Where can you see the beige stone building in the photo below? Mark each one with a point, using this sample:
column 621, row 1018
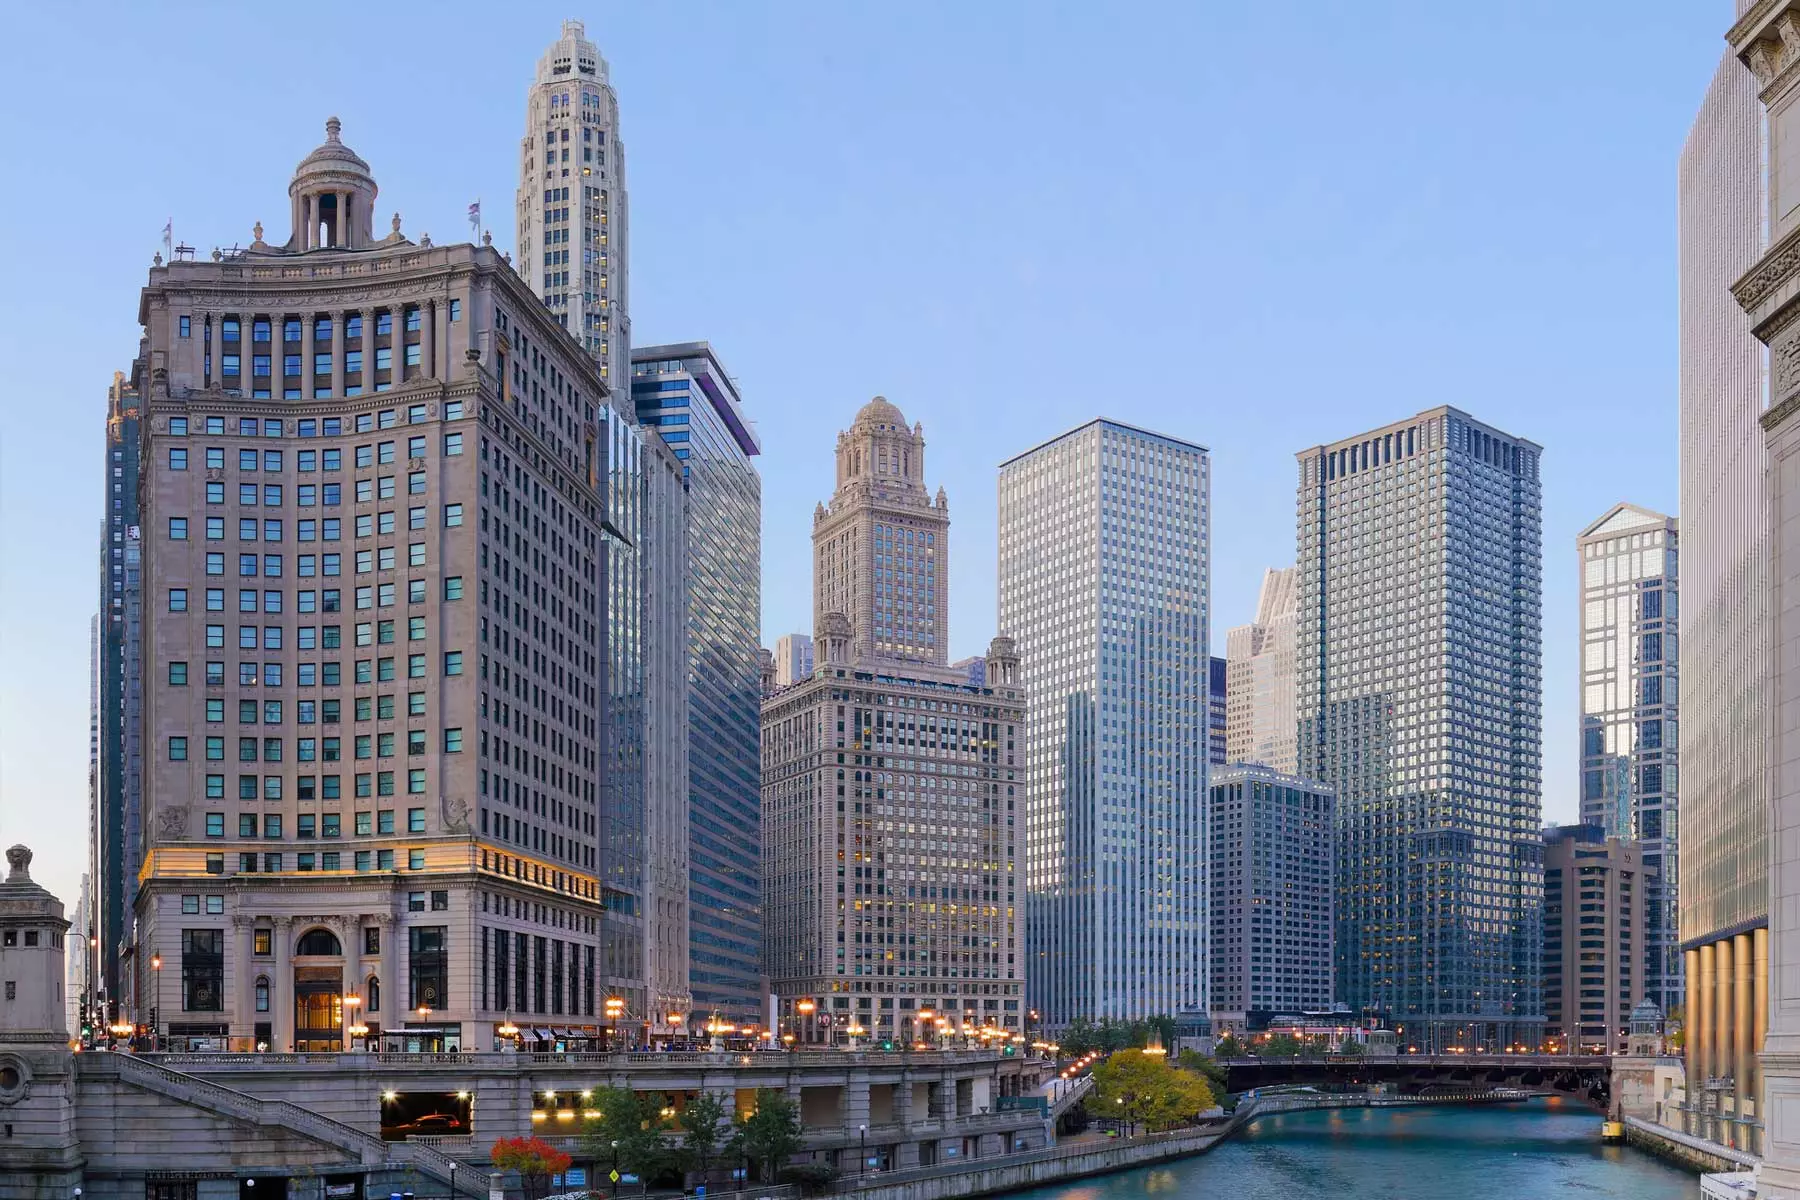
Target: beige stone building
column 1595, row 889
column 373, row 683
column 1260, row 724
column 892, row 879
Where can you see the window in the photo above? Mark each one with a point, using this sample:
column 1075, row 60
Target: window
column 415, row 901
column 271, row 825
column 384, row 821
column 178, row 672
column 453, row 741
column 178, row 458
column 453, row 587
column 203, row 970
column 178, row 527
column 247, row 821
column 187, row 326
column 415, row 820
column 415, row 860
column 330, row 824
column 453, row 444
column 178, row 749
column 428, row 965
column 262, row 993
column 215, row 824
column 262, row 943
column 453, row 662
column 177, row 599
column 453, row 516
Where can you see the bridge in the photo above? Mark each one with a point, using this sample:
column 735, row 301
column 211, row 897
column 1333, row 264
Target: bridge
column 1587, row 1077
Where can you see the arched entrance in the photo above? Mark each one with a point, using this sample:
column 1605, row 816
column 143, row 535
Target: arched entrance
column 318, row 992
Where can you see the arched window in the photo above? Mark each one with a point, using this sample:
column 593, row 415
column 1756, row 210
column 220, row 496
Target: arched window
column 373, row 995
column 262, row 993
column 318, row 942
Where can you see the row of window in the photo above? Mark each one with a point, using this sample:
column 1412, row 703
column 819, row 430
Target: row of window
column 231, row 328
column 387, row 418
column 329, row 825
column 309, row 530
column 380, row 745
column 329, row 600
column 329, row 674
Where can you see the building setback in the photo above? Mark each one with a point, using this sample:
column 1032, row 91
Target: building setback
column 1419, row 642
column 1594, row 933
column 890, row 784
column 374, row 682
column 1259, row 680
column 1630, row 704
column 1104, row 584
column 1272, row 897
column 686, row 395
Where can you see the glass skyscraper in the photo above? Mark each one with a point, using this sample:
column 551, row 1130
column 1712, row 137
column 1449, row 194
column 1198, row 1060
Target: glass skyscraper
column 1630, row 696
column 1419, row 648
column 1105, row 586
column 684, row 393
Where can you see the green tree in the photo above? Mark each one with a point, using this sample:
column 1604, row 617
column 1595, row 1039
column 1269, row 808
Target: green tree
column 1281, row 1045
column 1145, row 1088
column 1228, row 1047
column 1350, row 1047
column 702, row 1120
column 1206, row 1068
column 629, row 1134
column 769, row 1134
column 1079, row 1038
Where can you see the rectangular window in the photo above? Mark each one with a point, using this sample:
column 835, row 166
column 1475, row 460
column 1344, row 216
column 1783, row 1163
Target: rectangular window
column 453, row 662
column 203, row 970
column 178, row 747
column 178, row 529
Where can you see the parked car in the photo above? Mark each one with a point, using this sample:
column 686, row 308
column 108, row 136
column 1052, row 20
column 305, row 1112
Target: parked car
column 434, row 1123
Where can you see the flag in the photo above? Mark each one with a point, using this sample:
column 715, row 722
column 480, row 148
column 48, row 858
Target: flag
column 475, row 214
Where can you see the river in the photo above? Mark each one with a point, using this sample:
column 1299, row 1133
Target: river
column 1544, row 1148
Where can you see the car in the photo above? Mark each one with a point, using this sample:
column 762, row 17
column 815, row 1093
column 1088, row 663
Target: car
column 434, row 1123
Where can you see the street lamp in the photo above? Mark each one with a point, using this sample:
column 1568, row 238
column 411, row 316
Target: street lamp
column 805, row 1008
column 862, row 1150
column 156, row 1002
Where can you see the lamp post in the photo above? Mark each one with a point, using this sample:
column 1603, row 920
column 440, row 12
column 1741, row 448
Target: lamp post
column 922, row 1027
column 805, row 1008
column 156, row 1002
column 862, row 1150
column 351, row 1003
column 615, row 1012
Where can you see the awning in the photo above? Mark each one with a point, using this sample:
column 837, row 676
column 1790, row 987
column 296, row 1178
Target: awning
column 542, row 1035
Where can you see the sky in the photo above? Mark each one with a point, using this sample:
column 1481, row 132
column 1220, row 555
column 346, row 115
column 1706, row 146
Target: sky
column 1256, row 226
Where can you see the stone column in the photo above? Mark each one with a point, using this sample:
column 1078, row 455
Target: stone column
column 1766, row 40
column 309, row 381
column 1690, row 960
column 1759, row 1005
column 337, row 353
column 215, row 348
column 1723, row 1038
column 428, row 340
column 1702, row 1022
column 1742, row 1050
column 244, row 1007
column 281, row 987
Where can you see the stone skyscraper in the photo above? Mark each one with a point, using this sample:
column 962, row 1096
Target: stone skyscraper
column 574, row 246
column 1726, row 656
column 1105, row 580
column 1419, row 640
column 891, row 785
column 1259, row 680
column 1595, row 894
column 573, row 212
column 1630, row 707
column 685, row 394
column 375, row 682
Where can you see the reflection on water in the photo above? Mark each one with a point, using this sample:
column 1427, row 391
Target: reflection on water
column 1545, row 1148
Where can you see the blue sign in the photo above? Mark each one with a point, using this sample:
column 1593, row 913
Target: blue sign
column 628, row 1177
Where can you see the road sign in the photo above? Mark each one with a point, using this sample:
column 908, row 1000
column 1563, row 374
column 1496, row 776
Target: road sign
column 614, row 1176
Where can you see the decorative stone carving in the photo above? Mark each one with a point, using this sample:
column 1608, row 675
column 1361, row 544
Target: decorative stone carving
column 15, row 1072
column 172, row 822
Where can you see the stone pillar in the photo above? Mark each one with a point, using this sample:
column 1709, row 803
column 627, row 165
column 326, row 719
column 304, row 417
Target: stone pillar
column 337, row 353
column 428, row 340
column 353, row 974
column 1742, row 1051
column 281, row 987
column 215, row 349
column 1766, row 40
column 308, row 326
column 1703, row 1025
column 244, row 1007
column 1759, row 1017
column 37, row 1069
column 1722, row 1038
column 1690, row 1024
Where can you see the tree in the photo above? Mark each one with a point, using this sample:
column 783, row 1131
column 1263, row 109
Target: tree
column 1228, row 1047
column 769, row 1134
column 1145, row 1088
column 1350, row 1047
column 1206, row 1068
column 533, row 1158
column 629, row 1133
column 1281, row 1045
column 701, row 1120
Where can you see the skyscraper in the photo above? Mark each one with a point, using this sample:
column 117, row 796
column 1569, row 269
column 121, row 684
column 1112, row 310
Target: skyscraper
column 1215, row 711
column 1270, row 854
column 1259, row 680
column 574, row 249
column 374, row 680
column 1726, row 657
column 573, row 211
column 685, row 394
column 1595, row 889
column 881, row 550
column 1419, row 641
column 793, row 658
column 891, row 786
column 1630, row 705
column 117, row 820
column 1105, row 586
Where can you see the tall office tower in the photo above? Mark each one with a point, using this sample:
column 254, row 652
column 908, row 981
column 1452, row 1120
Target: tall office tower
column 1270, row 857
column 1216, row 704
column 1105, row 577
column 1630, row 704
column 890, row 790
column 1726, row 659
column 375, row 679
column 1419, row 639
column 116, row 821
column 685, row 394
column 1596, row 889
column 573, row 211
column 973, row 668
column 76, row 962
column 793, row 658
column 881, row 549
column 1259, row 680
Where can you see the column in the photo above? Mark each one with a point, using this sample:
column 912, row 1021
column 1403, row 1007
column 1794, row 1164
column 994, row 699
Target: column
column 308, row 324
column 337, row 353
column 243, row 1008
column 281, row 987
column 353, row 973
column 1722, row 1042
column 1690, row 961
column 215, row 348
column 1701, row 1033
column 428, row 340
column 1743, row 1050
column 1759, row 1017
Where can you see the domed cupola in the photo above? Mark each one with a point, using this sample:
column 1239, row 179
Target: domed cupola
column 333, row 197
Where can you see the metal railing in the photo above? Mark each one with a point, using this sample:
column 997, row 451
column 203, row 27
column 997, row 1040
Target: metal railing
column 618, row 1059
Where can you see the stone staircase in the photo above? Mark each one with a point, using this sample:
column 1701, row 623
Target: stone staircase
column 363, row 1148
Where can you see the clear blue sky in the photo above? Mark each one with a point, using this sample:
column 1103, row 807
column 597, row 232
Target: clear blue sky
column 1256, row 225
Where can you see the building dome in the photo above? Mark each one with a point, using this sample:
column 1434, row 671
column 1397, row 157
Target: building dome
column 879, row 412
column 333, row 197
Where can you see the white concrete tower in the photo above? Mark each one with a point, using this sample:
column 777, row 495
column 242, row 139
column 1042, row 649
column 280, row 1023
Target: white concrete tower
column 573, row 230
